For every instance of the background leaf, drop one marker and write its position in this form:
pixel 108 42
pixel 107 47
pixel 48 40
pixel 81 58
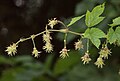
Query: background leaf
pixel 116 21
pixel 64 65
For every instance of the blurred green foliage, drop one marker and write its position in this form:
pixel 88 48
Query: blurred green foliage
pixel 25 68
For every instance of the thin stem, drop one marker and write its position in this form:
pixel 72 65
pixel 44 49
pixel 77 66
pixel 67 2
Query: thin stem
pixel 17 42
pixel 75 33
pixel 87 45
pixel 40 33
pixel 65 40
pixel 50 30
pixel 62 24
pixel 33 42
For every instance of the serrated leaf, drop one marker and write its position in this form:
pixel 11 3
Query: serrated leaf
pixel 99 9
pixel 75 19
pixel 94 34
pixel 117 32
pixel 114 36
pixel 111 36
pixel 97 33
pixel 96 42
pixel 92 18
pixel 116 22
pixel 88 18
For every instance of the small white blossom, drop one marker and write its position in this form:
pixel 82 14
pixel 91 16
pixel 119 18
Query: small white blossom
pixel 35 52
pixel 12 49
pixel 86 58
pixel 47 37
pixel 48 47
pixel 105 52
pixel 99 62
pixel 78 45
pixel 53 22
pixel 64 53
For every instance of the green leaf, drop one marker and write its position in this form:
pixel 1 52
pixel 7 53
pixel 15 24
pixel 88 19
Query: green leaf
pixel 92 18
pixel 117 32
pixel 111 36
pixel 98 10
pixel 75 19
pixel 94 34
pixel 114 36
pixel 116 22
pixel 96 42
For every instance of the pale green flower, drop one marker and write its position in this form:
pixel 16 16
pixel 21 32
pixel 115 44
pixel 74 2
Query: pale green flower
pixel 105 52
pixel 35 52
pixel 53 22
pixel 47 37
pixel 48 47
pixel 99 62
pixel 86 59
pixel 12 49
pixel 78 45
pixel 64 53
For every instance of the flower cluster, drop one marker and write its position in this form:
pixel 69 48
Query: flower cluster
pixel 12 49
pixel 86 59
pixel 78 45
pixel 35 52
pixel 99 62
pixel 64 53
pixel 46 38
pixel 48 47
pixel 104 52
pixel 53 22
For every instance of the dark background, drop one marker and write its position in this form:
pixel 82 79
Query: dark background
pixel 21 18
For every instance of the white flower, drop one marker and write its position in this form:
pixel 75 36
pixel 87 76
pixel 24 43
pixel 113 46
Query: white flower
pixel 48 47
pixel 12 49
pixel 78 45
pixel 86 58
pixel 64 53
pixel 47 37
pixel 99 62
pixel 35 52
pixel 53 22
pixel 105 52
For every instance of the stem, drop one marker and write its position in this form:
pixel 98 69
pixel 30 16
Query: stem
pixel 65 39
pixel 62 24
pixel 75 33
pixel 87 45
pixel 33 42
pixel 51 30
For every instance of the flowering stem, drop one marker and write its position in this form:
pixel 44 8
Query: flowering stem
pixel 51 30
pixel 87 45
pixel 33 42
pixel 75 33
pixel 62 24
pixel 65 38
